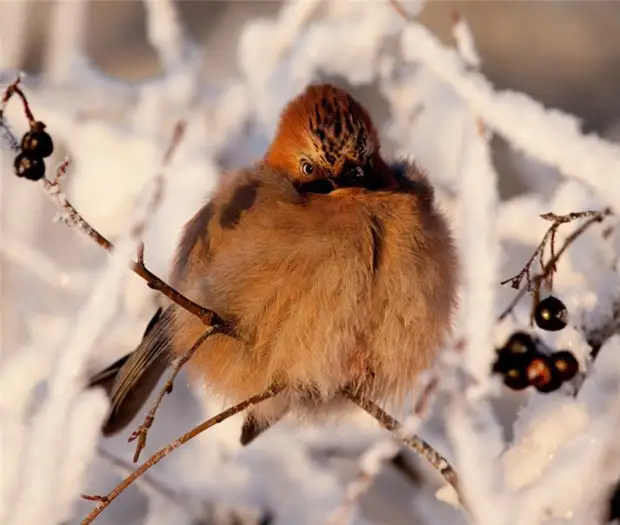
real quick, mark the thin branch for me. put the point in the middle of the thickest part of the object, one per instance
(400, 9)
(149, 485)
(142, 431)
(549, 237)
(420, 446)
(105, 500)
(549, 268)
(14, 89)
(70, 216)
(211, 513)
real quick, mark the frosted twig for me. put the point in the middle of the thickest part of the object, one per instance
(534, 283)
(165, 32)
(465, 41)
(70, 216)
(480, 256)
(549, 135)
(104, 501)
(141, 432)
(65, 400)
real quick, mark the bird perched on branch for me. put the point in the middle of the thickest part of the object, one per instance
(334, 269)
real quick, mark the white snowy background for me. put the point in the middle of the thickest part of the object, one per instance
(68, 308)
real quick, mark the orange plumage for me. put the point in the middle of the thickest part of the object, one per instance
(334, 269)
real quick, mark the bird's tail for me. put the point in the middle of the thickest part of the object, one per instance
(130, 380)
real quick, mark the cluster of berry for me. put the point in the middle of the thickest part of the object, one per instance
(35, 146)
(522, 361)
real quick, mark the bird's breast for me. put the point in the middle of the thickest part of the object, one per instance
(324, 293)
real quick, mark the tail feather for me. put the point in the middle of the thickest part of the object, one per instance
(130, 380)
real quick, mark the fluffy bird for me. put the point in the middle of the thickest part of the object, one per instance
(334, 270)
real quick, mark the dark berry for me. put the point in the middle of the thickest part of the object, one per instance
(507, 360)
(543, 375)
(521, 343)
(32, 168)
(551, 314)
(517, 352)
(516, 378)
(37, 142)
(566, 364)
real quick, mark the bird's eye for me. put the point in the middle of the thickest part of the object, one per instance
(306, 168)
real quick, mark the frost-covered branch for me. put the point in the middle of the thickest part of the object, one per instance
(70, 216)
(60, 419)
(480, 259)
(550, 136)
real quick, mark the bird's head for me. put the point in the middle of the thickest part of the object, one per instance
(326, 140)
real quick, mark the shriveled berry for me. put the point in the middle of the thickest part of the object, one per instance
(30, 167)
(37, 142)
(516, 378)
(566, 364)
(543, 375)
(551, 314)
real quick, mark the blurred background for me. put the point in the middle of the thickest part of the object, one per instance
(565, 54)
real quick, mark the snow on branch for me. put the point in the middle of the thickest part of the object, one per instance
(499, 483)
(549, 135)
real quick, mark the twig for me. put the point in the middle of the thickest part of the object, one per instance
(148, 484)
(380, 453)
(141, 432)
(420, 446)
(400, 9)
(196, 511)
(70, 216)
(548, 238)
(14, 89)
(105, 500)
(549, 268)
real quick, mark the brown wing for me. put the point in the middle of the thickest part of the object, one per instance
(130, 380)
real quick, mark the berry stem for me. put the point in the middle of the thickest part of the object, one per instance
(14, 89)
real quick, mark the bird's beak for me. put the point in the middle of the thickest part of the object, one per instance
(355, 177)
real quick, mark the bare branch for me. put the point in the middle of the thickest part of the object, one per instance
(438, 462)
(105, 500)
(549, 268)
(141, 432)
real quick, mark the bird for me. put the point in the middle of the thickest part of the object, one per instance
(334, 270)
